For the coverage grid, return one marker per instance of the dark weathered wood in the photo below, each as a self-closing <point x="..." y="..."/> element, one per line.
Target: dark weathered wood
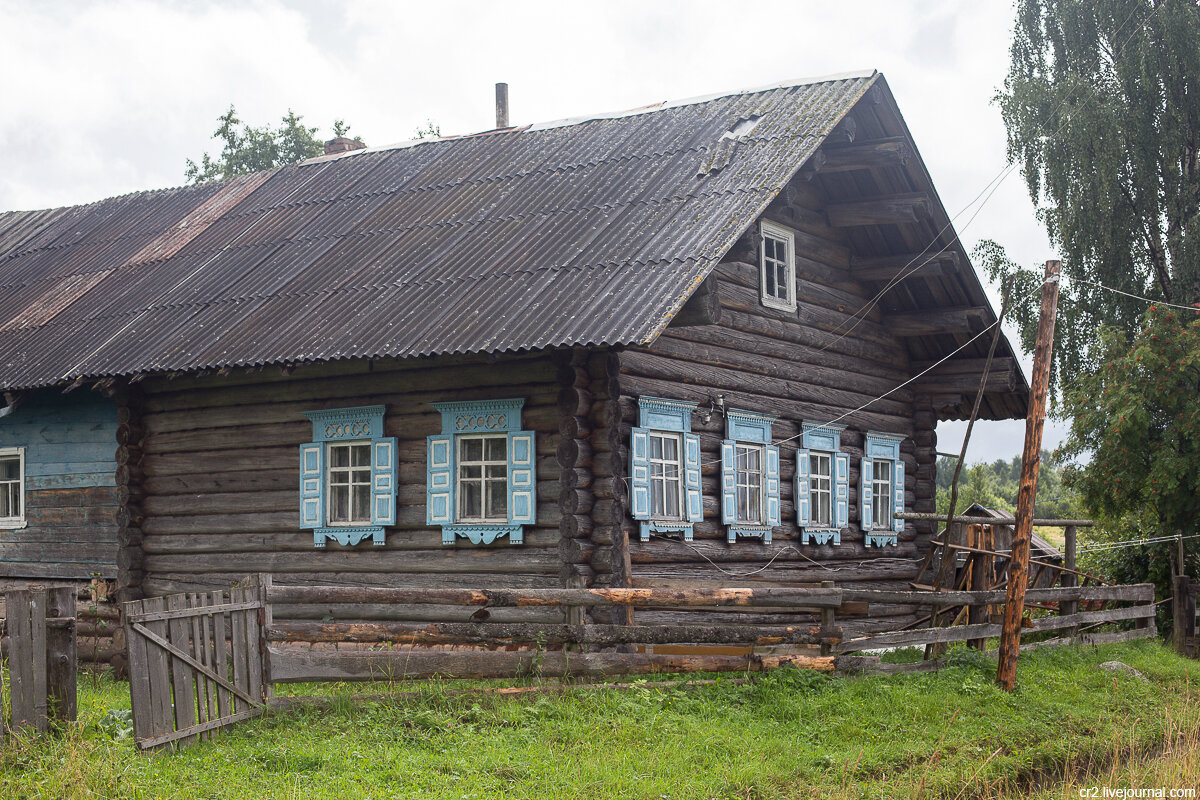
<point x="162" y="717"/>
<point x="875" y="154"/>
<point x="1010" y="640"/>
<point x="1138" y="593"/>
<point x="19" y="611"/>
<point x="139" y="675"/>
<point x="303" y="666"/>
<point x="61" y="655"/>
<point x="659" y="598"/>
<point x="965" y="319"/>
<point x="931" y="264"/>
<point x="220" y="654"/>
<point x="182" y="677"/>
<point x="893" y="209"/>
<point x="1069" y="579"/>
<point x="525" y="633"/>
<point x="702" y="308"/>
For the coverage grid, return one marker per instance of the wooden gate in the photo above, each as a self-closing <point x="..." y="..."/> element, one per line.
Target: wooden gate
<point x="196" y="662"/>
<point x="39" y="627"/>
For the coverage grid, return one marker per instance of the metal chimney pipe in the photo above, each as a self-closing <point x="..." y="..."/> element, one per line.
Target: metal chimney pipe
<point x="501" y="105"/>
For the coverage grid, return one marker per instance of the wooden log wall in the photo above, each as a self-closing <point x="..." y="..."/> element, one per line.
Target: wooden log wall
<point x="71" y="497"/>
<point x="220" y="477"/>
<point x="813" y="364"/>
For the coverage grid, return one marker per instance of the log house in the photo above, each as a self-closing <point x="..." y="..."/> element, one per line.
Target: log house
<point x="669" y="347"/>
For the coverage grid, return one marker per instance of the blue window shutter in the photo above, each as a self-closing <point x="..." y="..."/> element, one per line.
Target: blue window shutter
<point x="312" y="485"/>
<point x="439" y="480"/>
<point x="841" y="490"/>
<point x="383" y="481"/>
<point x="522" y="481"/>
<point x="898" y="492"/>
<point x="864" y="493"/>
<point x="772" y="490"/>
<point x="803" y="489"/>
<point x="691" y="475"/>
<point x="728" y="482"/>
<point x="639" y="473"/>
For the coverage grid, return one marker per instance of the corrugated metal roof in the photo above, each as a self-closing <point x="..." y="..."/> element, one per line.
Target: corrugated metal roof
<point x="583" y="232"/>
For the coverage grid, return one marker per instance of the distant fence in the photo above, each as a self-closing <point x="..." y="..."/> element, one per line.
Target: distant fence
<point x="1048" y="610"/>
<point x="40" y="648"/>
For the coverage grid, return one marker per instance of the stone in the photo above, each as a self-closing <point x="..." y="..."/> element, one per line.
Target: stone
<point x="1119" y="666"/>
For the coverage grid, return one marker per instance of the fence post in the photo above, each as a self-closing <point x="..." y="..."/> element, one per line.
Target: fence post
<point x="977" y="536"/>
<point x="1183" y="610"/>
<point x="828" y="619"/>
<point x="61" y="655"/>
<point x="265" y="620"/>
<point x="1069" y="580"/>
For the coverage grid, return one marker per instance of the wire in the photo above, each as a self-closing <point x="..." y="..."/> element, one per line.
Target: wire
<point x="1097" y="548"/>
<point x="1099" y="285"/>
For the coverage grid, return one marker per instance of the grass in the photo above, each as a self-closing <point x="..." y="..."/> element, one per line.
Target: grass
<point x="1069" y="727"/>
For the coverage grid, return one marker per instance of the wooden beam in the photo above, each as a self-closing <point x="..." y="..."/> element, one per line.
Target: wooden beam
<point x="963" y="319"/>
<point x="997" y="381"/>
<point x="702" y="308"/>
<point x="967" y="366"/>
<point x="908" y="265"/>
<point x="891" y="152"/>
<point x="894" y="209"/>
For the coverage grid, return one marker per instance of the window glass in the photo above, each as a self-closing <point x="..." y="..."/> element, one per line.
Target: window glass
<point x="665" y="470"/>
<point x="349" y="483"/>
<point x="483" y="478"/>
<point x="10" y="487"/>
<point x="821" y="489"/>
<point x="748" y="471"/>
<point x="882" y="494"/>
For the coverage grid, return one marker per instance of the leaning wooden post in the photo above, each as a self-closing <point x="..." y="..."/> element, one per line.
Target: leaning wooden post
<point x="1018" y="574"/>
<point x="1069" y="608"/>
<point x="981" y="579"/>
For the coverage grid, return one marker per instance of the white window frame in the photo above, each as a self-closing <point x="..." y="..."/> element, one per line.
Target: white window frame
<point x="329" y="470"/>
<point x="19" y="520"/>
<point x="814" y="490"/>
<point x="484" y="463"/>
<point x="788" y="238"/>
<point x="739" y="485"/>
<point x="678" y="463"/>
<point x="882" y="499"/>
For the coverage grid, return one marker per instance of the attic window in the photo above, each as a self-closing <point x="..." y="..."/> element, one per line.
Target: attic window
<point x="742" y="128"/>
<point x="777" y="267"/>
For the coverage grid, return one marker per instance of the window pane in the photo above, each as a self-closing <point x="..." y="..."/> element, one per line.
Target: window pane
<point x="656" y="447"/>
<point x="498" y="499"/>
<point x="470" y="495"/>
<point x="497" y="471"/>
<point x="470" y="472"/>
<point x="362" y="503"/>
<point x="339" y="504"/>
<point x="497" y="449"/>
<point x="10" y="469"/>
<point x="361" y="455"/>
<point x="6" y="502"/>
<point x="339" y="456"/>
<point x="471" y="449"/>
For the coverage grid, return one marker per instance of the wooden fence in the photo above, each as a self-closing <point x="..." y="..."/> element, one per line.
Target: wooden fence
<point x="1056" y="609"/>
<point x="1186" y="591"/>
<point x="40" y="628"/>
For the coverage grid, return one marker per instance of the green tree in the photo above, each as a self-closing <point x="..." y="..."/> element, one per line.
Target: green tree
<point x="249" y="149"/>
<point x="1102" y="108"/>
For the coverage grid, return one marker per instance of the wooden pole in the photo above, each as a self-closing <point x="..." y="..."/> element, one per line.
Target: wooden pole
<point x="1018" y="575"/>
<point x="1069" y="607"/>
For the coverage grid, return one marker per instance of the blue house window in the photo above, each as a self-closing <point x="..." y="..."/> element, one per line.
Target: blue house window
<point x="822" y="485"/>
<point x="12" y="487"/>
<point x="881" y="489"/>
<point x="347" y="476"/>
<point x="481" y="477"/>
<point x="749" y="476"/>
<point x="664" y="469"/>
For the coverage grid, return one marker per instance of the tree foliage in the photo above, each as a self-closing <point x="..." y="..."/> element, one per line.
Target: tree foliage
<point x="1102" y="107"/>
<point x="248" y="149"/>
<point x="995" y="486"/>
<point x="1139" y="419"/>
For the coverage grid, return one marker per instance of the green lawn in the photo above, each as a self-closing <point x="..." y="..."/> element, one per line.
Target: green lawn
<point x="790" y="734"/>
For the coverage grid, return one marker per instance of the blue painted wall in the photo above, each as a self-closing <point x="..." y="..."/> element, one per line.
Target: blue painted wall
<point x="70" y="487"/>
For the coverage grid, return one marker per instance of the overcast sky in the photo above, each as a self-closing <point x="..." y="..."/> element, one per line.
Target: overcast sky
<point x="103" y="98"/>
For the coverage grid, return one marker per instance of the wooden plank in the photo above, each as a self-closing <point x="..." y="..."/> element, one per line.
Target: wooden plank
<point x="526" y="633"/>
<point x="139" y="675"/>
<point x="194" y="611"/>
<point x="38" y="602"/>
<point x="965" y="319"/>
<point x="61" y="655"/>
<point x="1119" y="636"/>
<point x="645" y="598"/>
<point x="888" y="152"/>
<point x="265" y="620"/>
<point x="888" y="210"/>
<point x="220" y="654"/>
<point x="186" y="658"/>
<point x="18" y="604"/>
<point x="211" y="725"/>
<point x="1140" y="593"/>
<point x="204" y="699"/>
<point x="182" y="678"/>
<point x="957" y="633"/>
<point x="302" y="666"/>
<point x="254" y="655"/>
<point x="237" y="643"/>
<point x="162" y="714"/>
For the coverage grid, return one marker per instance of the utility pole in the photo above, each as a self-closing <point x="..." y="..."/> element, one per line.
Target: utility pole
<point x="1018" y="573"/>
